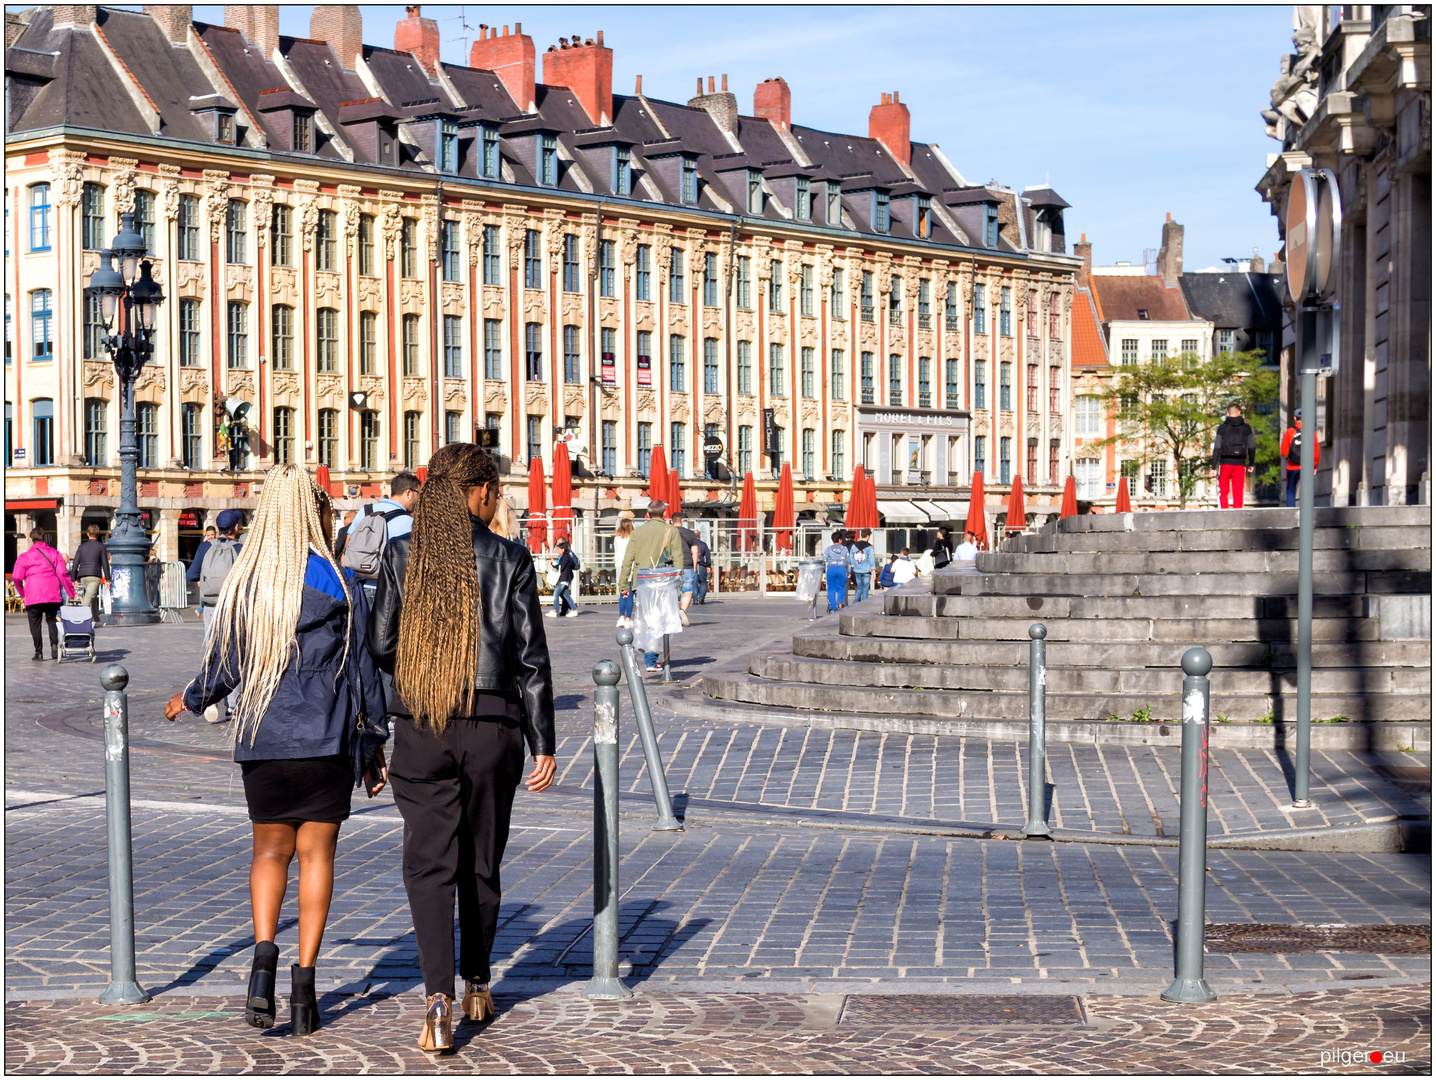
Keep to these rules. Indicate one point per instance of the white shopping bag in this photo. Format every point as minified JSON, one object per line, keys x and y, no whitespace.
{"x":655,"y":607}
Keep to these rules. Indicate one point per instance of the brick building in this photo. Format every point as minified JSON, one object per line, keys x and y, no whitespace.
{"x":381,"y":253}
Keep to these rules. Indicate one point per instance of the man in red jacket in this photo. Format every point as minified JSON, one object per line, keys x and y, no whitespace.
{"x":1291,"y":450}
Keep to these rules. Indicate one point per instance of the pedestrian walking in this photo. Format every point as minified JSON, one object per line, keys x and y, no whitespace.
{"x":622,"y":533}
{"x":903,"y":569}
{"x":219,"y":558}
{"x":942,"y":548}
{"x":690,"y":569}
{"x":865,"y":561}
{"x":289,"y":628}
{"x":458,"y":623}
{"x":702,"y":569}
{"x":43,"y":582}
{"x":211,"y":534}
{"x":387,"y":520}
{"x":655,"y":543}
{"x":563,"y":588}
{"x":1291,"y":450}
{"x":838,"y":561}
{"x":1234,"y":457}
{"x":92,"y":567}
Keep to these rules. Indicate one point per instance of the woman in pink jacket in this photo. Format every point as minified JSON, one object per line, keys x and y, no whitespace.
{"x":43,"y":583}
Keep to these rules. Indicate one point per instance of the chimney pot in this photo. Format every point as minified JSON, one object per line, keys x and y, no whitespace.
{"x":511,"y":58}
{"x":725,"y":84}
{"x":419,"y":36}
{"x":173,"y":19}
{"x":587,"y":70}
{"x":74,"y":14}
{"x":518,"y":28}
{"x":773,"y":101}
{"x":1083,"y":250}
{"x":700,"y":85}
{"x":1169,"y":256}
{"x":891,"y":124}
{"x":638,"y":87}
{"x":711,"y":88}
{"x":600,"y":37}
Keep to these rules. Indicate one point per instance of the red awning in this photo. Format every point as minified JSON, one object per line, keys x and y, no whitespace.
{"x":31,"y":504}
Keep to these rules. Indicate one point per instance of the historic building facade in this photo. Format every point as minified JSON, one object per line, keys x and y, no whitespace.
{"x":379,"y":253}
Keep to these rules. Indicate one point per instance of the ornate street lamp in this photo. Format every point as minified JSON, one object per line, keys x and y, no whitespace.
{"x":132,"y":295}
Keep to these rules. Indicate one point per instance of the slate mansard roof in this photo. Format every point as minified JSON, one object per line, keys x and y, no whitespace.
{"x":129,"y":79}
{"x":1235,"y":300}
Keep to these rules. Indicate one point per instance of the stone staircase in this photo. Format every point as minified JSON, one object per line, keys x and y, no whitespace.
{"x":1122,"y":596}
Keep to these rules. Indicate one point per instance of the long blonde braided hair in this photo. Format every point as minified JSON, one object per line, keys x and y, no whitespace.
{"x":438,"y":653}
{"x":258,"y":610}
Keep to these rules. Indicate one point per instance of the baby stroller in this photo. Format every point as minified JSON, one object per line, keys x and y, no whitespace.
{"x":77,"y":632}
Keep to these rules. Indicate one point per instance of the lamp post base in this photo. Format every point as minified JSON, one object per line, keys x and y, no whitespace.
{"x":123,"y":993}
{"x":1189,"y":992}
{"x":603,"y":989}
{"x":129,"y":618}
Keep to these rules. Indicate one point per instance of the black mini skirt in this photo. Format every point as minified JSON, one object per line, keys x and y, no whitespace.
{"x":292,"y":790}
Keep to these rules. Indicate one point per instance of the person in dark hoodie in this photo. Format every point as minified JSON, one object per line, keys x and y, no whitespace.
{"x":290,"y":627}
{"x":1233,"y":457}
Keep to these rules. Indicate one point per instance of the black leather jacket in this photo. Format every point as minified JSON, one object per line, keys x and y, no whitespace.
{"x":513,"y":649}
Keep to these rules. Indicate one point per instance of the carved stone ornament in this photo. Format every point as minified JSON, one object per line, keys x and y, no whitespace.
{"x":456,"y":390}
{"x":240,"y":382}
{"x":812,"y":414}
{"x":238,"y":277}
{"x":808,"y":331}
{"x":349,"y":214}
{"x":390,"y":221}
{"x":373,"y":385}
{"x":643,"y":316}
{"x":66,"y":176}
{"x":778,"y":330}
{"x":868,"y":334}
{"x":628,"y":245}
{"x":535,"y":397}
{"x":327,"y":288}
{"x":329,"y":386}
{"x":713,"y":409}
{"x":284,"y":384}
{"x":496,"y":395}
{"x":99,"y":373}
{"x":261,"y":205}
{"x":370,"y":292}
{"x":679,"y":408}
{"x":610,"y":311}
{"x":169,"y":190}
{"x":575,"y":401}
{"x":713,"y":319}
{"x":453,"y":297}
{"x":411,"y":293}
{"x":308,"y":211}
{"x":190,"y":278}
{"x":415,"y":392}
{"x":150,"y":385}
{"x":493,"y":298}
{"x":281,"y":279}
{"x":122,"y":183}
{"x":89,"y":263}
{"x":216,"y":201}
{"x":431,"y":225}
{"x":535,"y":305}
{"x":647,"y":402}
{"x":780,"y":408}
{"x":193,"y":378}
{"x":678,"y":317}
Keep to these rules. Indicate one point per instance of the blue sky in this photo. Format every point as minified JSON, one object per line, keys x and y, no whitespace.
{"x":1129,"y":112}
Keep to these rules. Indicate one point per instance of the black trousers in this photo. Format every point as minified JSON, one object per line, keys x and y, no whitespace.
{"x":456,"y":793}
{"x":37,"y":613}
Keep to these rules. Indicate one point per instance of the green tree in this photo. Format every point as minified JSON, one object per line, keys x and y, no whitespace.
{"x":1170,"y":408}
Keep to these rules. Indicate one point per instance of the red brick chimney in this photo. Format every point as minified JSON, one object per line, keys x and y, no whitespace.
{"x":259,"y":23}
{"x":891,"y":124}
{"x":585,"y":68}
{"x":419,"y":36}
{"x":510,"y":57}
{"x":1169,"y":256}
{"x":173,"y":19}
{"x":773,"y":100}
{"x":342,"y":26}
{"x":74,"y":15}
{"x":1083,"y":250}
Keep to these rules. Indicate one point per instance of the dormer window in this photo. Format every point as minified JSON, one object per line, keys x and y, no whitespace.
{"x":548,"y":160}
{"x":489,"y":159}
{"x":835,"y":205}
{"x":224,"y":128}
{"x":303,"y":133}
{"x":922,"y":222}
{"x":802,"y":206}
{"x":882,"y":212}
{"x":755,"y":192}
{"x":1143,"y":315}
{"x":989,"y":226}
{"x":448,"y":146}
{"x":689,"y":192}
{"x":622,"y":171}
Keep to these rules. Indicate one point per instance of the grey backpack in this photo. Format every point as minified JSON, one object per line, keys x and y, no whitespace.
{"x":365,"y":546}
{"x":218,"y":561}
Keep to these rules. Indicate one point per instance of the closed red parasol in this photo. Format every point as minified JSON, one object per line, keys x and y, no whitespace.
{"x":538,"y":512}
{"x":658,"y":475}
{"x":422,"y":472}
{"x":748,"y":515}
{"x":977,"y":513}
{"x":862,"y":506}
{"x":1016,"y":507}
{"x":1124,"y":500}
{"x":1069,"y":499}
{"x":675,"y":496}
{"x":321,"y":478}
{"x":562,"y":512}
{"x":783,"y":517}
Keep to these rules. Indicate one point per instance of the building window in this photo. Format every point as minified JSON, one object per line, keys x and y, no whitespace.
{"x":1032,"y":313}
{"x":42,"y":411}
{"x":1189,"y":351}
{"x":979,"y":309}
{"x":366,"y":245}
{"x":745,"y":367}
{"x":776,"y":380}
{"x":95,"y":431}
{"x":882,"y":214}
{"x":894,"y":379}
{"x":570,"y":355}
{"x":952,"y":395}
{"x":809,"y":442}
{"x":1054,"y":389}
{"x":1004,"y":462}
{"x":1225,"y":340}
{"x":839,"y":455}
{"x":533,"y":352}
{"x":678,"y":449}
{"x":40,"y":217}
{"x":895,"y":302}
{"x":924,"y":382}
{"x":1265,"y":345}
{"x":676,"y":285}
{"x":1087,"y":416}
{"x":689,"y":193}
{"x":745,"y":283}
{"x":643,"y":272}
{"x":283,"y":436}
{"x":924,"y":303}
{"x":453,"y":347}
{"x":326,"y":332}
{"x":409,"y":247}
{"x":979,"y":454}
{"x":412,"y":432}
{"x":237,"y":355}
{"x":1032,"y":461}
{"x":281,"y":337}
{"x":745,"y":449}
{"x":1157,"y":479}
{"x":409,"y":344}
{"x":448,"y":146}
{"x":608,"y":448}
{"x":607,"y":270}
{"x":570,"y":263}
{"x":1088,"y":473}
{"x":449,"y":249}
{"x":9,"y":329}
{"x":329,"y":437}
{"x":755,"y":192}
{"x":1034,"y":389}
{"x":303,"y":129}
{"x":838,"y":366}
{"x":989,"y":226}
{"x":189,"y":222}
{"x":453,"y":427}
{"x":710,"y":280}
{"x":92,"y":217}
{"x":805,"y":290}
{"x":839,"y":301}
{"x":493,"y":349}
{"x":622,"y":171}
{"x":808,"y":376}
{"x":189,"y":333}
{"x":281,"y":235}
{"x":677,"y":376}
{"x":710,"y":365}
{"x":145,"y":217}
{"x":493,"y":271}
{"x":1005,"y":313}
{"x":1159,"y":349}
{"x":92,"y":328}
{"x":645,"y":355}
{"x":775,"y":287}
{"x":868,"y":379}
{"x":147,"y":427}
{"x":865,"y":302}
{"x":325,"y":244}
{"x":548,"y":160}
{"x":1054,"y":318}
{"x":1129,"y":351}
{"x":489,"y":159}
{"x":1005,"y":386}
{"x":834,"y":215}
{"x":368,"y":440}
{"x":1054,"y":449}
{"x":191,"y":435}
{"x":234,"y":239}
{"x":802,"y":200}
{"x":979,"y":384}
{"x":368,"y":343}
{"x":645,"y":447}
{"x":533,"y":260}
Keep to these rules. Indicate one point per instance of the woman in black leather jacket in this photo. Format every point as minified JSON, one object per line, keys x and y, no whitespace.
{"x":458,"y":622}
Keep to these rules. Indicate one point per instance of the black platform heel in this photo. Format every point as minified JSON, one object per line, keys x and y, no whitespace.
{"x":303,"y":1007}
{"x":259,"y":1009}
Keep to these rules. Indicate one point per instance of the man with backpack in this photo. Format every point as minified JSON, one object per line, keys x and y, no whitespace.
{"x":1291,"y":450}
{"x":362,"y":542}
{"x":865,"y":561}
{"x":1234,"y":457}
{"x":215,"y":559}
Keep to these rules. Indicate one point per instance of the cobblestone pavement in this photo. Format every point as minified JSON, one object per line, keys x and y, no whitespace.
{"x":1335,"y":1031}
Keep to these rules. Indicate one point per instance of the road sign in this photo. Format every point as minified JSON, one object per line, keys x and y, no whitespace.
{"x":1313,"y":235}
{"x":712,"y":447}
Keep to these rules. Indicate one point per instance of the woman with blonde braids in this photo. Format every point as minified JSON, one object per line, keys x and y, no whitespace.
{"x":458,"y":621}
{"x":290,"y":630}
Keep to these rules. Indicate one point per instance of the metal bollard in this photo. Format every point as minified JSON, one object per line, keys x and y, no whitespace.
{"x":1036,"y":826}
{"x":605,"y":984}
{"x":1190,"y":985}
{"x":667,"y":675}
{"x":123,"y":989}
{"x":656,"y":779}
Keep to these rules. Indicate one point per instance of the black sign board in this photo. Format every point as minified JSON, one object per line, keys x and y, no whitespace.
{"x":645,"y":371}
{"x":487,"y":437}
{"x":609,"y":369}
{"x":712,"y":447}
{"x":770,"y":432}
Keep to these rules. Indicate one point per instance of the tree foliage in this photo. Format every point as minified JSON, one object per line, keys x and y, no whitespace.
{"x":1170,"y":408}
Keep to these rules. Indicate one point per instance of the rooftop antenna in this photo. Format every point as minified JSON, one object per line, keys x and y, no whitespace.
{"x":464,"y":30}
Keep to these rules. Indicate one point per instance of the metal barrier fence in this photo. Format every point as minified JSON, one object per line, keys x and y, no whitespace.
{"x":174,"y":592}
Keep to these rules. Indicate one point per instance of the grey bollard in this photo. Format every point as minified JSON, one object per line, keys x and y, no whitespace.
{"x":667,"y":675}
{"x":656,"y":779}
{"x":605,"y":984}
{"x":1190,"y":985}
{"x":123,"y":989}
{"x":1036,"y":827}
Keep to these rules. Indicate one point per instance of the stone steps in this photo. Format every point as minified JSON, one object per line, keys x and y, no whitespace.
{"x":1214,"y":584}
{"x":1182,"y":631}
{"x":1267,"y":517}
{"x":1125,"y":607}
{"x":1223,"y":540}
{"x":1325,"y":561}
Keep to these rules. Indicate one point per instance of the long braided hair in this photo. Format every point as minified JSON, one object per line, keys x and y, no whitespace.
{"x":439,"y":624}
{"x":258,"y":610}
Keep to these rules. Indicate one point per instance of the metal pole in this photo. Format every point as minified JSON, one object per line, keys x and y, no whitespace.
{"x":1037,"y":734}
{"x":667,"y":675}
{"x":123,"y":989}
{"x":1306,"y":523}
{"x":605,"y":985}
{"x":656,"y":779}
{"x":1190,"y":985}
